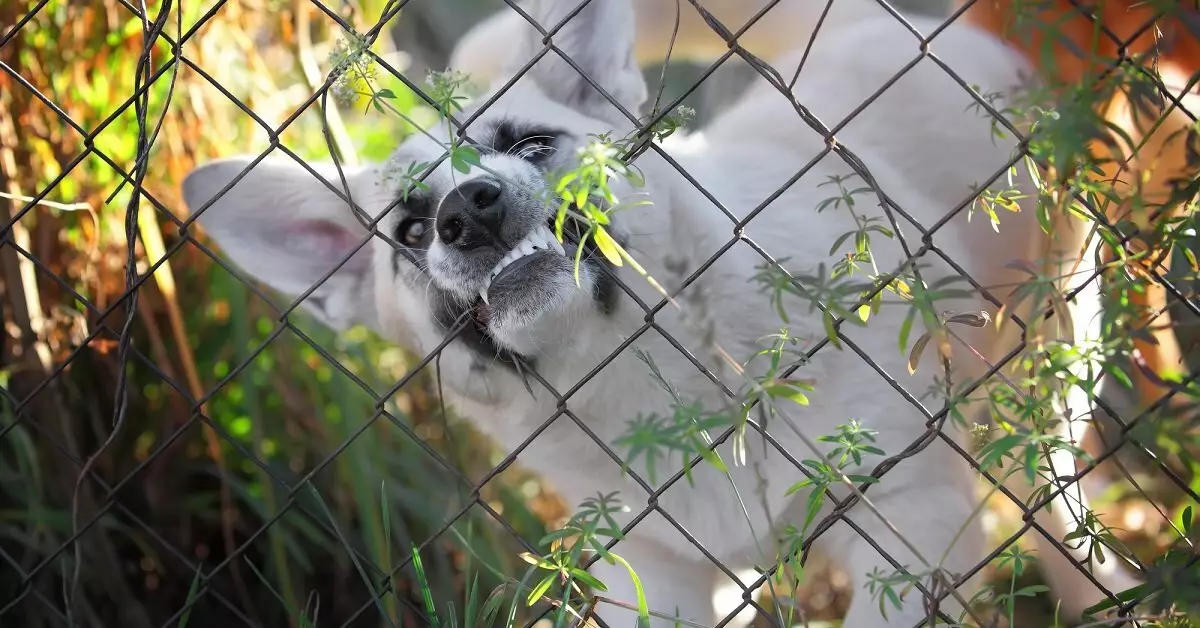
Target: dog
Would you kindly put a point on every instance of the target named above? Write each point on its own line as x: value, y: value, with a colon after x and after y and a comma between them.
x: 550, y: 359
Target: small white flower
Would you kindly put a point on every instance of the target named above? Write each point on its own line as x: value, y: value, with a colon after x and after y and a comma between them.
x: 343, y: 94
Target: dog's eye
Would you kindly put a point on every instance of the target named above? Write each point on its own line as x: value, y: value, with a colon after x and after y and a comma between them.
x: 411, y: 231
x: 534, y: 147
x: 532, y: 142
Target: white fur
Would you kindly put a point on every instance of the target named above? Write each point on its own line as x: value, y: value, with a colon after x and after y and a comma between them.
x: 922, y: 146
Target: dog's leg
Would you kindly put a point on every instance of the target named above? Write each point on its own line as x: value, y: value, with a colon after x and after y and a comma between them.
x: 674, y: 585
x: 1070, y: 582
x: 1067, y: 579
x: 1164, y: 356
x: 728, y: 597
x: 928, y: 500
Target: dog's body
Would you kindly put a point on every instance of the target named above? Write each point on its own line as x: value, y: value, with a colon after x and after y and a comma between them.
x: 920, y: 143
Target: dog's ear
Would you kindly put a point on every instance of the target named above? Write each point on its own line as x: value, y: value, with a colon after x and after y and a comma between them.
x: 287, y: 228
x: 476, y: 54
x: 599, y: 42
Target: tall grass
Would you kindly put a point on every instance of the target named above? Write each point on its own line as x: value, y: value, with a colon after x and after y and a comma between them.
x: 273, y: 486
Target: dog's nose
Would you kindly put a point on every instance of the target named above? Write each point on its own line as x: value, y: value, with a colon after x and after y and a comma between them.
x: 471, y: 215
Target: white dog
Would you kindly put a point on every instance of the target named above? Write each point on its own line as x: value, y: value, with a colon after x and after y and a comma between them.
x: 474, y: 254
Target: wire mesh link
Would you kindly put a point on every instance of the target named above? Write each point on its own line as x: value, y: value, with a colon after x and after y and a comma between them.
x: 381, y: 577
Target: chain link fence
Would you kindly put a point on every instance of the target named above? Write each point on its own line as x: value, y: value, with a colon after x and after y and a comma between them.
x: 181, y: 447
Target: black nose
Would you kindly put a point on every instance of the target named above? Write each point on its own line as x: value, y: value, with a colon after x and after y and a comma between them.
x: 471, y: 215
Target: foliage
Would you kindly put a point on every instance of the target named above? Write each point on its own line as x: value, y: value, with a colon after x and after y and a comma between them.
x: 262, y: 468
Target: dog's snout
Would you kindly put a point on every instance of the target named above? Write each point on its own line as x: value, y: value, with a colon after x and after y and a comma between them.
x: 472, y: 214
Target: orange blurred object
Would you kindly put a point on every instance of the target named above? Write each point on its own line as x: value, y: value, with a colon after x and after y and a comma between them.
x: 1089, y: 39
x: 1173, y: 39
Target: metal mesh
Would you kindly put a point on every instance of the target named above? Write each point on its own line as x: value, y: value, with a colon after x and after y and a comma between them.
x: 113, y: 323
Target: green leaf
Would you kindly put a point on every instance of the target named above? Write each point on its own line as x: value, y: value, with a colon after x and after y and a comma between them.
x: 560, y: 219
x: 386, y: 93
x: 643, y: 609
x: 993, y: 453
x: 889, y: 595
x: 588, y: 579
x: 423, y: 583
x: 540, y: 589
x: 906, y: 328
x: 787, y: 390
x: 1031, y: 457
x: 470, y: 155
x: 556, y: 535
x: 1121, y: 598
x: 799, y: 486
x: 830, y: 330
x: 579, y: 256
x: 1031, y: 590
x: 538, y: 561
x: 191, y: 599
x: 491, y: 606
x: 838, y: 243
x: 815, y: 500
x: 607, y: 246
x: 462, y: 158
x: 565, y: 181
x: 713, y: 458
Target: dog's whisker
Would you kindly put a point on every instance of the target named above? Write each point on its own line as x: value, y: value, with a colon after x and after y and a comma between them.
x: 535, y: 150
x: 528, y: 139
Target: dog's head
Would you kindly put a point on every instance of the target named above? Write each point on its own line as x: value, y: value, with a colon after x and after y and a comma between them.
x: 471, y: 254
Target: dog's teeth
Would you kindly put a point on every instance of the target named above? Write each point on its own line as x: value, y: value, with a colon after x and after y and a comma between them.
x: 555, y: 244
x: 540, y: 239
x: 546, y: 235
x: 483, y: 295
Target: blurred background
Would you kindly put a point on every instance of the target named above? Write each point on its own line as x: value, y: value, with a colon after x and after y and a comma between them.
x: 227, y: 417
